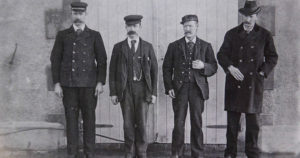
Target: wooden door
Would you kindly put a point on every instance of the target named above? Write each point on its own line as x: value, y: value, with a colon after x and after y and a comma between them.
x: 160, y: 26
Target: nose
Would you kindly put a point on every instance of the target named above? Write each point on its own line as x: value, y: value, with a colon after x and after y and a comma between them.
x: 248, y: 19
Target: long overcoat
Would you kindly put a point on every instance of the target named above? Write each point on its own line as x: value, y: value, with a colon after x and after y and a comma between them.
x: 250, y: 53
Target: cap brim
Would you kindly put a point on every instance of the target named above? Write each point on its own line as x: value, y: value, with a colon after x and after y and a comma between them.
x: 182, y: 22
x: 248, y: 12
x: 79, y: 9
x: 132, y: 22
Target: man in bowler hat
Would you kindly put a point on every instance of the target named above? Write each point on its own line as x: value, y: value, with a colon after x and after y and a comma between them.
x: 187, y: 64
x: 78, y: 62
x: 133, y: 83
x: 247, y: 55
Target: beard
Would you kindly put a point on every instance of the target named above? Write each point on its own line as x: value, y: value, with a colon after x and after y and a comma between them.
x: 131, y: 33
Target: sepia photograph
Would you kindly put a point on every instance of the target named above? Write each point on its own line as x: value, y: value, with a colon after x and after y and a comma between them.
x: 149, y: 78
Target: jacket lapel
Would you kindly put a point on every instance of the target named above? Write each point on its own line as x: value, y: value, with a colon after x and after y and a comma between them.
x: 198, y: 50
x: 71, y: 35
x: 251, y: 36
x: 84, y: 35
x: 125, y: 48
x: 182, y: 47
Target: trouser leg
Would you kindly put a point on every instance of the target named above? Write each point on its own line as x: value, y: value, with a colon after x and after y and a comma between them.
x: 233, y: 119
x: 127, y: 107
x: 196, y: 103
x: 180, y: 106
x: 141, y: 111
x: 88, y: 103
x: 252, y: 131
x: 71, y: 105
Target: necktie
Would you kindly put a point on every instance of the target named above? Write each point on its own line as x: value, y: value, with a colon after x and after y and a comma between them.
x: 78, y: 31
x: 132, y: 49
x: 191, y: 45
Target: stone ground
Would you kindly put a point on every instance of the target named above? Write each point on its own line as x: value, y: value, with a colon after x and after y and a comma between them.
x: 116, y: 152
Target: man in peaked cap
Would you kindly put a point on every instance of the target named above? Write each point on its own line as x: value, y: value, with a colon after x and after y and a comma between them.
x: 187, y: 64
x: 247, y: 55
x: 78, y: 79
x: 133, y: 83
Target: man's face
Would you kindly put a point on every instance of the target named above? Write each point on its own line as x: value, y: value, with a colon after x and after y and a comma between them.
x: 249, y: 20
x: 190, y: 29
x: 133, y: 30
x: 78, y: 17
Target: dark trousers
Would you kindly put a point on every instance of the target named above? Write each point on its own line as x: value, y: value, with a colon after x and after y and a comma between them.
x: 134, y: 110
x: 189, y: 94
x: 252, y: 130
x: 84, y: 100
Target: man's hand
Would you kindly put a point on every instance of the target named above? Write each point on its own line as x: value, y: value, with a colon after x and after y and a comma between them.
x: 261, y: 73
x: 172, y: 93
x: 197, y: 64
x: 99, y: 89
x: 58, y: 90
x: 153, y: 99
x: 114, y: 100
x: 236, y: 73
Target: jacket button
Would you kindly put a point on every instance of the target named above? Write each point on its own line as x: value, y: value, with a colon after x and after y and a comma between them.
x: 83, y: 61
x: 183, y: 63
x: 241, y: 47
x: 73, y: 70
x: 180, y: 81
x: 250, y: 87
x: 84, y: 53
x: 251, y: 73
x: 83, y: 70
x: 74, y: 52
x: 240, y: 60
x: 182, y: 72
x: 74, y: 43
x: 251, y: 60
x: 73, y: 61
x: 252, y: 47
x: 238, y: 86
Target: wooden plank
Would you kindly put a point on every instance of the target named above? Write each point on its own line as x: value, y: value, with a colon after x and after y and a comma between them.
x: 221, y: 114
x: 103, y: 101
x: 161, y: 46
x: 202, y: 15
x: 211, y: 103
x: 171, y: 25
x: 114, y: 28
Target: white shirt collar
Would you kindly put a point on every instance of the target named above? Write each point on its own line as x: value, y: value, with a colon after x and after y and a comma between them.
x: 187, y: 40
x: 136, y: 43
x: 76, y: 27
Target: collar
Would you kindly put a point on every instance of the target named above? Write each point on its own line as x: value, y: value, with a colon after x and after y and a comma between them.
x: 193, y: 40
x: 129, y: 41
x: 76, y: 27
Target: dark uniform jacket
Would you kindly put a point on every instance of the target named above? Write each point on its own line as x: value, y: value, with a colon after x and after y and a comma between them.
x: 118, y: 69
x: 173, y: 65
x: 251, y: 54
x: 78, y: 61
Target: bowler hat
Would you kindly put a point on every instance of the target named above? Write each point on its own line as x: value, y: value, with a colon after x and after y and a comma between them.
x: 189, y: 17
x: 250, y: 8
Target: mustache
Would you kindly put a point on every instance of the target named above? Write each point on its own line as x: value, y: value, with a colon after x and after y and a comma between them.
x: 77, y: 21
x: 131, y: 32
x: 187, y: 32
